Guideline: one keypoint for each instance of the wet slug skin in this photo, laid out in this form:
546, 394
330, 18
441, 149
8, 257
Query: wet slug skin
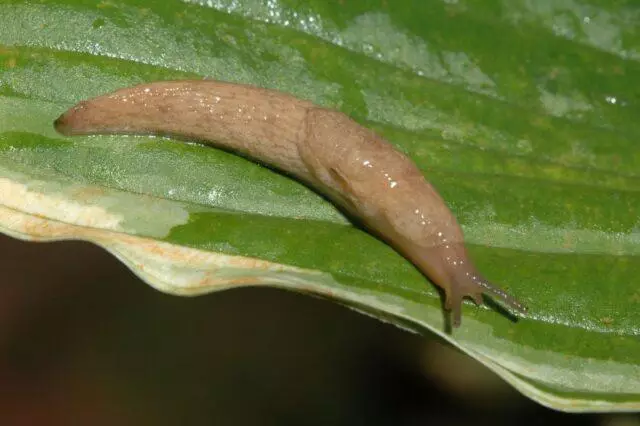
354, 167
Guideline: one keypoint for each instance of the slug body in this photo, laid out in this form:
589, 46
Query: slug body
353, 166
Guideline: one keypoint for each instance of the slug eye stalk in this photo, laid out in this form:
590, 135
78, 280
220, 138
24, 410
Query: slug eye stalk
449, 267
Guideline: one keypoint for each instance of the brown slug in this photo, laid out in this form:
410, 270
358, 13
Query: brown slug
350, 164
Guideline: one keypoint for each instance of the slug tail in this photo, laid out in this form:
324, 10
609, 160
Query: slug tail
63, 124
101, 115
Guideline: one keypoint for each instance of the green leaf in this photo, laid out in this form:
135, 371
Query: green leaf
523, 114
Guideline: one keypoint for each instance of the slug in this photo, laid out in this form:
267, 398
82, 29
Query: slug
350, 164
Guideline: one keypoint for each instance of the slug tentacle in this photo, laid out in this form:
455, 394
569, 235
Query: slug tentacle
449, 263
350, 164
501, 295
467, 281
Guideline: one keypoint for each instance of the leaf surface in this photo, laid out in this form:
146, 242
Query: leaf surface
522, 114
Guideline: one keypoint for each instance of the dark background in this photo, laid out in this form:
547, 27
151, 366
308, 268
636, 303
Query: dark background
85, 342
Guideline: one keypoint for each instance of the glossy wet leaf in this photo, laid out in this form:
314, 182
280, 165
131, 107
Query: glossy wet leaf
523, 115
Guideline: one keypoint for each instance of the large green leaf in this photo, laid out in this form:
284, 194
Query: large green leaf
523, 114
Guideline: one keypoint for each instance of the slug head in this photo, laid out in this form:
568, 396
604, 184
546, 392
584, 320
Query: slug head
450, 268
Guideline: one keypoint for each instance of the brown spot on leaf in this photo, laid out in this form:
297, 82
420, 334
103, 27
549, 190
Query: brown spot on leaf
607, 321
